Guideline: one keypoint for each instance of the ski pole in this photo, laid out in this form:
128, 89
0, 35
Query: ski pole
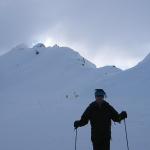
126, 134
76, 139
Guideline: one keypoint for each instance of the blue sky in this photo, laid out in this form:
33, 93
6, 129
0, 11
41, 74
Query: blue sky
107, 32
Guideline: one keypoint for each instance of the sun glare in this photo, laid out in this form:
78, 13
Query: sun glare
49, 42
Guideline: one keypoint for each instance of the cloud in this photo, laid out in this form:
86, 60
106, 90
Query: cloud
94, 28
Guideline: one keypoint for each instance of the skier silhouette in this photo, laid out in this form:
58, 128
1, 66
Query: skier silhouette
100, 113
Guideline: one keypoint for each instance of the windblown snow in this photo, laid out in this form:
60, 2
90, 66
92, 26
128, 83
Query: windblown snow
44, 90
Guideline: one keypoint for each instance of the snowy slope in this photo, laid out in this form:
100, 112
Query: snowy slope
43, 90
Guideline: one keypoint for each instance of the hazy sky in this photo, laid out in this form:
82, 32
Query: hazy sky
107, 32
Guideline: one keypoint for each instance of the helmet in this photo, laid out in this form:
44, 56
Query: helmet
100, 92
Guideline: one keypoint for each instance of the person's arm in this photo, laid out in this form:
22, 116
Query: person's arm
84, 118
115, 116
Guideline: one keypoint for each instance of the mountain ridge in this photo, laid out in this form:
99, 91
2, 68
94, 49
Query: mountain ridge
43, 90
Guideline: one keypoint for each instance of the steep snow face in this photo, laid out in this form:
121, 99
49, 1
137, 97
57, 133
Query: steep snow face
134, 81
21, 64
145, 62
44, 89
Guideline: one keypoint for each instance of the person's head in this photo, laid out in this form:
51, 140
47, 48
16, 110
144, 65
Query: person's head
100, 94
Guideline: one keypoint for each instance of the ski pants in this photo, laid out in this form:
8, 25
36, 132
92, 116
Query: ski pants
101, 145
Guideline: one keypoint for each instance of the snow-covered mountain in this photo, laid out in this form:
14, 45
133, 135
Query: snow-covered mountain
44, 89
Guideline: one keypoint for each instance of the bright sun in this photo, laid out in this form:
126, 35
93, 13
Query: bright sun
49, 42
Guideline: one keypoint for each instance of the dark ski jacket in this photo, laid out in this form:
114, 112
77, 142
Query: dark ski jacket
100, 119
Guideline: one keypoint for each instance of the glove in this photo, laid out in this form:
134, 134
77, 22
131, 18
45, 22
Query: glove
123, 115
76, 124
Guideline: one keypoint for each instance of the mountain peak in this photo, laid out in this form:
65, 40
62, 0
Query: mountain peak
145, 61
56, 46
39, 45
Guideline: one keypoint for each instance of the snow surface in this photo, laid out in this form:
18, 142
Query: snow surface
42, 94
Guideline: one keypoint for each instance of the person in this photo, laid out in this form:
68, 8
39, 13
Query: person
100, 113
